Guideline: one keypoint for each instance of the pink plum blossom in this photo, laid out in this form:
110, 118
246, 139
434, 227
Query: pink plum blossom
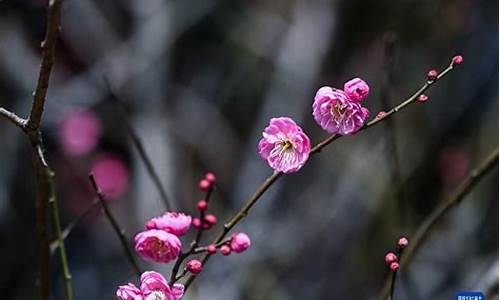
129, 292
240, 242
157, 245
356, 89
79, 132
154, 286
173, 222
284, 145
336, 113
111, 174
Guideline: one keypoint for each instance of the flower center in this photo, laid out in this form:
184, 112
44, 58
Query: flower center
340, 109
338, 112
287, 145
159, 295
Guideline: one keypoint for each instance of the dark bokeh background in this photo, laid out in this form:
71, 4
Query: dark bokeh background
200, 79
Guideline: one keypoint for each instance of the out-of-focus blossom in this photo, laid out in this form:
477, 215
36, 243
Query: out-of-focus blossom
173, 222
240, 242
336, 114
129, 292
111, 174
356, 89
158, 245
284, 145
154, 286
453, 166
79, 132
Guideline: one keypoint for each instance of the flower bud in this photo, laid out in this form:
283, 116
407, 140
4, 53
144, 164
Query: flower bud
394, 266
422, 98
457, 60
432, 75
390, 258
205, 185
211, 219
240, 242
194, 266
211, 249
197, 223
356, 89
225, 250
381, 114
210, 177
202, 205
403, 242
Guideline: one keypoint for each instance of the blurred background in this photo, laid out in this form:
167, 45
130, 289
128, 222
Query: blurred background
198, 81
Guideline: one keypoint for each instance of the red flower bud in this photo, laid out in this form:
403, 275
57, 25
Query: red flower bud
202, 205
194, 266
432, 75
225, 250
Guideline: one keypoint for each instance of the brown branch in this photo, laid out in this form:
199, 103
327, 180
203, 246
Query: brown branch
243, 212
48, 53
430, 223
119, 232
139, 146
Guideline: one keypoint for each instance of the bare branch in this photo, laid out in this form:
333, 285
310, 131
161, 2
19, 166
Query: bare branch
136, 141
119, 232
429, 224
69, 228
15, 119
48, 53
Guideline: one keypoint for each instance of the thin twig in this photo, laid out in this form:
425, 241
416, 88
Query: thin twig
391, 132
393, 284
69, 228
60, 241
194, 244
48, 54
139, 146
15, 119
119, 232
429, 224
243, 212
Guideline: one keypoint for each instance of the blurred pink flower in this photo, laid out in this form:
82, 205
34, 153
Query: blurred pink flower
284, 145
111, 174
336, 114
356, 89
240, 242
173, 222
154, 286
79, 132
454, 165
157, 245
129, 292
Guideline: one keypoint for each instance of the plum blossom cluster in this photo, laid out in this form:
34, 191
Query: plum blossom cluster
284, 144
391, 259
153, 286
160, 242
